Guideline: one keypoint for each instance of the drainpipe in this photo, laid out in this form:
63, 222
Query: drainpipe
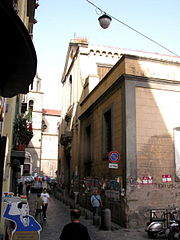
2, 155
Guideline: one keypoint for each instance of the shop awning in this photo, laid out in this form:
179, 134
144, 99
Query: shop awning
17, 53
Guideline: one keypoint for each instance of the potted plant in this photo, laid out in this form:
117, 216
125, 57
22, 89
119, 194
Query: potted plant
22, 132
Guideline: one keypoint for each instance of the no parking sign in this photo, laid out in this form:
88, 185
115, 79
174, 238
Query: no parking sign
114, 157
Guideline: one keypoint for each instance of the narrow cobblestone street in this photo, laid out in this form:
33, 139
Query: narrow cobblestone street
58, 216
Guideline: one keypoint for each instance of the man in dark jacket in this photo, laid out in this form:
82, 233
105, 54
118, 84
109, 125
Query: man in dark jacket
75, 230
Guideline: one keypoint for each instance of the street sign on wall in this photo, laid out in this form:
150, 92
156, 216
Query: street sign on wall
166, 178
113, 165
114, 157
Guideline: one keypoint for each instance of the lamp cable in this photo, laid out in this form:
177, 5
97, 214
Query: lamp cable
133, 29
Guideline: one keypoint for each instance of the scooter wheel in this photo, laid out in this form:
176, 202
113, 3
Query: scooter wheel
152, 235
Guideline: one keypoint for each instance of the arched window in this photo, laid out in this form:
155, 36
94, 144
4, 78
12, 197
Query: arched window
38, 85
44, 126
31, 104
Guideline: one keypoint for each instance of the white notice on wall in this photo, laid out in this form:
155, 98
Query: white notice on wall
113, 165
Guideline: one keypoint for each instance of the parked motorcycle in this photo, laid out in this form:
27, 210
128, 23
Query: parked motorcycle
163, 223
157, 229
174, 230
157, 225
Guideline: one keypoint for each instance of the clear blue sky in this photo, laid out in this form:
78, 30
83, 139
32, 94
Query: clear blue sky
59, 21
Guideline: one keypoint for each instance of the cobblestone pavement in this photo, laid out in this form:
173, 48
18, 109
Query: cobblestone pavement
58, 214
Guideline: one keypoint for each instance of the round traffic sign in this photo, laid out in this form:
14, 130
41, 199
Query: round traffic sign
114, 157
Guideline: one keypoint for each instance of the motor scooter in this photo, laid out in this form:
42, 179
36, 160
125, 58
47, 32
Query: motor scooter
156, 229
174, 230
164, 223
158, 226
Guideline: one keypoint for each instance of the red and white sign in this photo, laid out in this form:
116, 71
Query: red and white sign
166, 178
147, 180
114, 157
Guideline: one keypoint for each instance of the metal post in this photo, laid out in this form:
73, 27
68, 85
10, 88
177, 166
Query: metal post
106, 219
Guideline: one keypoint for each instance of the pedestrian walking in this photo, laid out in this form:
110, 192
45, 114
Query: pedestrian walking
44, 183
45, 198
38, 205
96, 203
75, 230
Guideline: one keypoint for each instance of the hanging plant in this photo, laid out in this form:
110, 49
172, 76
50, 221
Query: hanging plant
22, 131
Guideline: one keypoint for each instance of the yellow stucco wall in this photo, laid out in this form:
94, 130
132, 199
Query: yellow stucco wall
100, 165
7, 132
156, 116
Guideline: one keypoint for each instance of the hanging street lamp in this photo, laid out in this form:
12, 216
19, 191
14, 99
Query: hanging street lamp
104, 21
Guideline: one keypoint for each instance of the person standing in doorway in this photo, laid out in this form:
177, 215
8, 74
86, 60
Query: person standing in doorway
45, 198
20, 189
75, 230
96, 203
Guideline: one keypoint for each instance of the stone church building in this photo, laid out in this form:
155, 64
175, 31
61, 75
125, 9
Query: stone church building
132, 110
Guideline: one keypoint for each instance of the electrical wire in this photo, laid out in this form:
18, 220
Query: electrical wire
133, 29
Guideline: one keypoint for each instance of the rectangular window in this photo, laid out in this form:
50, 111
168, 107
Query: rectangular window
38, 89
107, 131
70, 85
87, 159
26, 169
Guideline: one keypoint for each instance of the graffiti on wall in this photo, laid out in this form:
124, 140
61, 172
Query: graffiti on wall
110, 188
